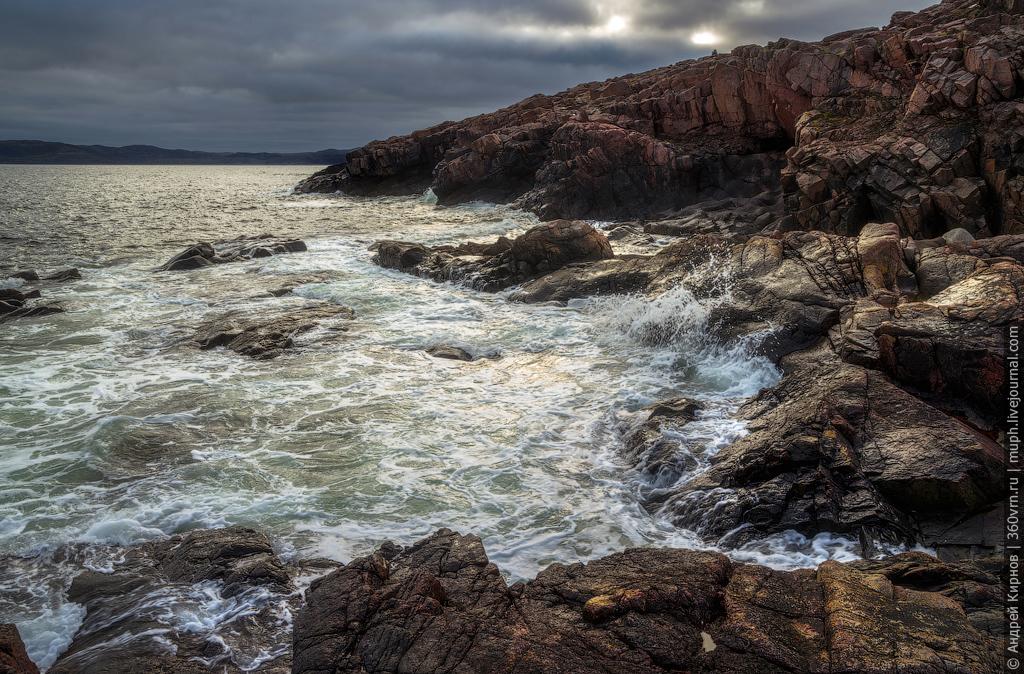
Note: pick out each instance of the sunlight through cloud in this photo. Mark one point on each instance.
(704, 37)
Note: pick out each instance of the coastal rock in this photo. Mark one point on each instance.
(918, 123)
(650, 274)
(839, 448)
(449, 352)
(130, 623)
(231, 250)
(70, 274)
(266, 337)
(440, 605)
(13, 658)
(655, 448)
(952, 345)
(504, 263)
(15, 303)
(554, 244)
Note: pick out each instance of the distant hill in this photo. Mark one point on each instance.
(44, 152)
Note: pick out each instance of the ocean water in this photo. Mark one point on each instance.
(115, 430)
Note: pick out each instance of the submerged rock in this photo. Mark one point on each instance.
(15, 304)
(440, 605)
(137, 617)
(231, 250)
(504, 263)
(654, 447)
(266, 337)
(449, 352)
(69, 274)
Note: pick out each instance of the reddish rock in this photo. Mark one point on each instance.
(440, 605)
(13, 658)
(504, 263)
(917, 123)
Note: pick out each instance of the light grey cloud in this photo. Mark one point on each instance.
(271, 75)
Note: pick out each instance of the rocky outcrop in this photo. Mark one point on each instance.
(266, 337)
(504, 263)
(13, 657)
(132, 622)
(917, 123)
(654, 447)
(232, 250)
(15, 303)
(439, 605)
(839, 448)
(951, 345)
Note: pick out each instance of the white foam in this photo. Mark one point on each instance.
(49, 634)
(117, 431)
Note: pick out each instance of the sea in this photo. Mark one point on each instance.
(115, 429)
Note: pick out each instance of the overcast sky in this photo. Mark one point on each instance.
(309, 74)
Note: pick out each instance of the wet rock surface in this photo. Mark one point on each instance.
(840, 448)
(204, 254)
(504, 263)
(440, 605)
(13, 658)
(266, 337)
(138, 615)
(17, 302)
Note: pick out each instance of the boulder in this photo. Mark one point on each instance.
(70, 274)
(231, 250)
(266, 337)
(450, 352)
(554, 244)
(654, 446)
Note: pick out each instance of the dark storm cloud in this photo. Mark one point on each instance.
(263, 75)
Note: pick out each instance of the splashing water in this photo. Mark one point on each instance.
(116, 431)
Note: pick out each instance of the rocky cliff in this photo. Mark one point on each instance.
(918, 123)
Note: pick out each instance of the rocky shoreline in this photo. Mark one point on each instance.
(440, 605)
(862, 197)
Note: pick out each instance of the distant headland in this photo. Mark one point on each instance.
(45, 152)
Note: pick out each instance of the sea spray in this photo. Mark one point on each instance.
(117, 431)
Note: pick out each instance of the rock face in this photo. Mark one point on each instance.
(918, 123)
(232, 250)
(130, 627)
(439, 605)
(504, 263)
(266, 337)
(13, 658)
(839, 448)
